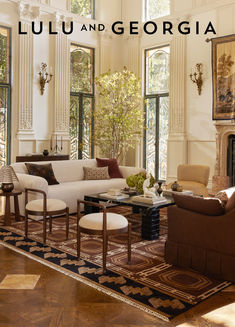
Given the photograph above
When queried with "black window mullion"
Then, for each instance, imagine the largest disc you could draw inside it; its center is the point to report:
(80, 129)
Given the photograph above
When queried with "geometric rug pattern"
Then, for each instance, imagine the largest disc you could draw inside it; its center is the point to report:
(147, 283)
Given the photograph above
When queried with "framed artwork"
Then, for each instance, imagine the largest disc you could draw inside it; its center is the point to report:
(223, 70)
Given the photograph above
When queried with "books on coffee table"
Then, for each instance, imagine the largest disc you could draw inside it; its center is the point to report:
(170, 192)
(148, 200)
(114, 197)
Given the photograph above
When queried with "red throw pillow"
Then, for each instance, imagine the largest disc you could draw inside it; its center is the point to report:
(113, 168)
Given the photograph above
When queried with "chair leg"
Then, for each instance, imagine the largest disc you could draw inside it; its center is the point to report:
(78, 241)
(104, 250)
(107, 241)
(26, 223)
(129, 243)
(44, 228)
(50, 224)
(67, 223)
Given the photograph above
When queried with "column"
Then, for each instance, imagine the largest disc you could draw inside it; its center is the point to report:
(25, 130)
(62, 86)
(177, 141)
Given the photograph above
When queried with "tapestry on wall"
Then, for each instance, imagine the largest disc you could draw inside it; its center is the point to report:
(223, 63)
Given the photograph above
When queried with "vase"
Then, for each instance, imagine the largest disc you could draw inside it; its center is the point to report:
(174, 186)
(159, 190)
(45, 152)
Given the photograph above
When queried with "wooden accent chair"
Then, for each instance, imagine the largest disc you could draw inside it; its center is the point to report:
(45, 208)
(101, 223)
(194, 178)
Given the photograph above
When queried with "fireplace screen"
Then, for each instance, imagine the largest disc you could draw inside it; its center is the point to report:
(231, 159)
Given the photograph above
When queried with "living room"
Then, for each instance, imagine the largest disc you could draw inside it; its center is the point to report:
(63, 65)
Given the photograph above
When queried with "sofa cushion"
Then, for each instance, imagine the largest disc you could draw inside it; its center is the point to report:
(96, 173)
(114, 171)
(231, 203)
(44, 171)
(207, 206)
(71, 191)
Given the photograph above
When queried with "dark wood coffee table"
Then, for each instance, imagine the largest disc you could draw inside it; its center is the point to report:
(150, 215)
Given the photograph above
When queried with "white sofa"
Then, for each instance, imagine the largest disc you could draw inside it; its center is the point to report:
(69, 173)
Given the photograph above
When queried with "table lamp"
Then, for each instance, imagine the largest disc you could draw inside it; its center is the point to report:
(7, 177)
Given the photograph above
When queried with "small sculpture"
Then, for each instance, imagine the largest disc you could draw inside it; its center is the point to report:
(148, 192)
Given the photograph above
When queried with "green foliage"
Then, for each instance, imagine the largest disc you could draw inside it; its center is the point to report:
(81, 70)
(157, 8)
(119, 118)
(81, 7)
(3, 58)
(138, 180)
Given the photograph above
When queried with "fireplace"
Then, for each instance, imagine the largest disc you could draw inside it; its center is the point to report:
(225, 162)
(231, 159)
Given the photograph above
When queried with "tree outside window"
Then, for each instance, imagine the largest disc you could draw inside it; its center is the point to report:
(156, 8)
(83, 8)
(5, 91)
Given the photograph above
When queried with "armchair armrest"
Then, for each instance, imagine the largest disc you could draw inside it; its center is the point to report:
(27, 190)
(127, 171)
(32, 182)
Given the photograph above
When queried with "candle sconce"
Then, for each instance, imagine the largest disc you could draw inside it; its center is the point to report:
(56, 149)
(196, 77)
(44, 77)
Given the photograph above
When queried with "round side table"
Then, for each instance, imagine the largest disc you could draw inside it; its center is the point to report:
(7, 216)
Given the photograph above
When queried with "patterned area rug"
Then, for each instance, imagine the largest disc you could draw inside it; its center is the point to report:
(148, 283)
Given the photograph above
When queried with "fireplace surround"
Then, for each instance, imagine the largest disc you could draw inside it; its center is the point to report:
(224, 129)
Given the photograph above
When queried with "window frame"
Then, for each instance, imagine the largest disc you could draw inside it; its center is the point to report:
(157, 97)
(80, 96)
(7, 86)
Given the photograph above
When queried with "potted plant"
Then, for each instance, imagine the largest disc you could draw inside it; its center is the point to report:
(119, 117)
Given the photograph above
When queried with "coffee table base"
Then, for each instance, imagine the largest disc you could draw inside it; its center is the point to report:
(150, 223)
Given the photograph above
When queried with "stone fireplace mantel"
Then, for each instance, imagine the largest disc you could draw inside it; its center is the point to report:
(224, 128)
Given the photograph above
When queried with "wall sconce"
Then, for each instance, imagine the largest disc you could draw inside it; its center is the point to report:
(197, 77)
(43, 79)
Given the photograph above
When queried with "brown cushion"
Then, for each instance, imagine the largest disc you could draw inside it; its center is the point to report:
(231, 203)
(113, 168)
(44, 171)
(207, 206)
(96, 173)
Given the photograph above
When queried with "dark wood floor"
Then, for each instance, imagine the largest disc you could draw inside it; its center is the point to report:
(60, 301)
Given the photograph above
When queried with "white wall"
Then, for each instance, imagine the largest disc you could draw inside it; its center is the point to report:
(199, 133)
(113, 52)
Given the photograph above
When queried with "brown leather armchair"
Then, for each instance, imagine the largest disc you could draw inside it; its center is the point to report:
(203, 242)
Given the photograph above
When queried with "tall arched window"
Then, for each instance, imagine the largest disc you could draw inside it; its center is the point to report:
(157, 110)
(81, 101)
(83, 8)
(5, 94)
(156, 8)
